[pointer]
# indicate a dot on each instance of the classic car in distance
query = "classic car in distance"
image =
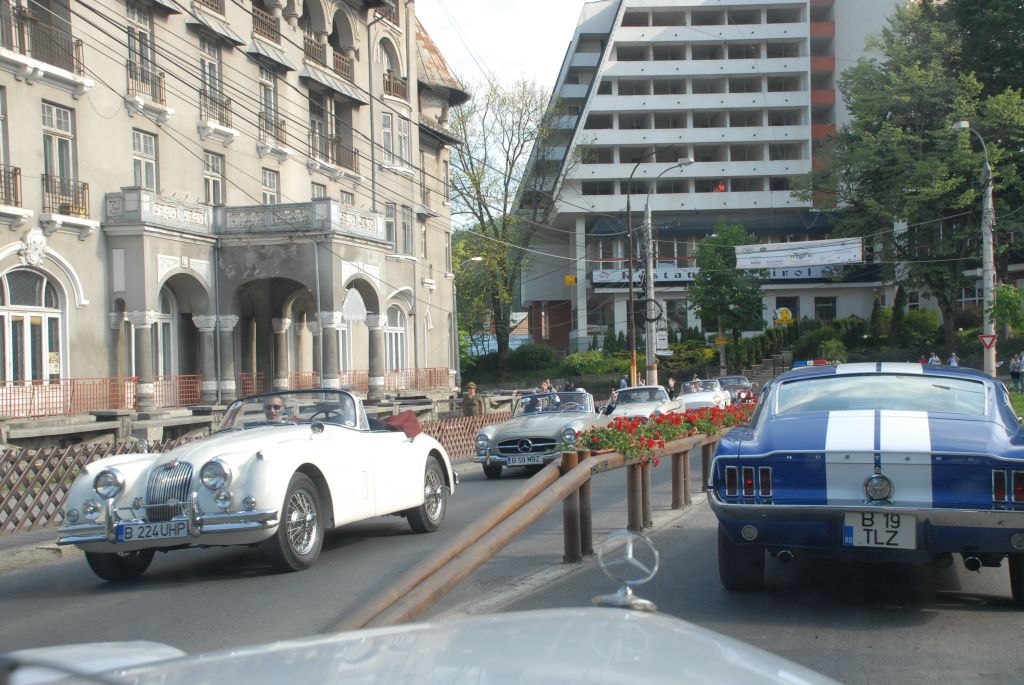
(280, 469)
(539, 423)
(740, 388)
(644, 401)
(698, 394)
(889, 462)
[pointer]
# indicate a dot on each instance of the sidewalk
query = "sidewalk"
(32, 549)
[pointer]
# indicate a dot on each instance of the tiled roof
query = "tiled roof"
(434, 70)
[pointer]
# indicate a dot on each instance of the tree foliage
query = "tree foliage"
(722, 295)
(501, 128)
(900, 160)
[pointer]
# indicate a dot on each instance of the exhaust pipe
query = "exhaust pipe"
(972, 563)
(785, 556)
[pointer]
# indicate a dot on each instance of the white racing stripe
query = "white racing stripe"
(857, 367)
(902, 367)
(849, 454)
(906, 455)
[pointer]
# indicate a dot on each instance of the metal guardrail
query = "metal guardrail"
(567, 479)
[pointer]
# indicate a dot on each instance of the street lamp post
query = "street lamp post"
(629, 231)
(455, 318)
(988, 223)
(650, 322)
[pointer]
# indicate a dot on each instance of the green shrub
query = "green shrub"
(921, 327)
(833, 350)
(584, 363)
(807, 346)
(532, 357)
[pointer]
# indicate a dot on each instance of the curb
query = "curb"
(35, 555)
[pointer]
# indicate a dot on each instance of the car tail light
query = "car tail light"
(764, 482)
(999, 486)
(1018, 486)
(731, 481)
(748, 481)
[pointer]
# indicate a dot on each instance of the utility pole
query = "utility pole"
(650, 324)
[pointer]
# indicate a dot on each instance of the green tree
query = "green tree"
(501, 127)
(899, 159)
(899, 310)
(722, 295)
(1007, 306)
(992, 35)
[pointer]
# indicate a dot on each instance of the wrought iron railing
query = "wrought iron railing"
(143, 80)
(251, 383)
(330, 149)
(177, 391)
(65, 196)
(345, 67)
(314, 49)
(10, 186)
(395, 86)
(23, 31)
(272, 128)
(389, 13)
(303, 380)
(214, 106)
(266, 25)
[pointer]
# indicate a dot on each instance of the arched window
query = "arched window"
(394, 339)
(165, 335)
(30, 309)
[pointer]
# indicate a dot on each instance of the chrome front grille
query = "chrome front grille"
(166, 485)
(537, 446)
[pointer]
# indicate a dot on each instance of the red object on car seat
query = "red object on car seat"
(406, 422)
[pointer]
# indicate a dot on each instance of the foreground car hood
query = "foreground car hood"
(588, 645)
(639, 408)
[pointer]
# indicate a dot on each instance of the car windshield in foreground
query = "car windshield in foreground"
(328, 406)
(882, 391)
(642, 395)
(546, 403)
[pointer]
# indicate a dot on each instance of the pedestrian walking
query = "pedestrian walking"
(472, 404)
(954, 360)
(1015, 369)
(623, 383)
(934, 359)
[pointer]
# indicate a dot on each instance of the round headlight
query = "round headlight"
(108, 483)
(878, 487)
(215, 475)
(482, 441)
(91, 509)
(569, 435)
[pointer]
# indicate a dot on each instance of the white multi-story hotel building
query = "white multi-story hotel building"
(212, 197)
(744, 88)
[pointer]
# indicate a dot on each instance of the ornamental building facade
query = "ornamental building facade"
(213, 198)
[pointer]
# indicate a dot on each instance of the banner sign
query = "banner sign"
(799, 254)
(689, 274)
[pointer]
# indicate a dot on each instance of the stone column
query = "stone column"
(375, 324)
(281, 327)
(330, 322)
(116, 320)
(314, 331)
(226, 327)
(207, 325)
(145, 392)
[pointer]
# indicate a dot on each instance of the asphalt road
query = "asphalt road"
(856, 623)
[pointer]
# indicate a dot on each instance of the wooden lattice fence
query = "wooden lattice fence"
(459, 435)
(34, 484)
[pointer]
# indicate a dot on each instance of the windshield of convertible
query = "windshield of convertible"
(326, 406)
(882, 391)
(630, 395)
(547, 403)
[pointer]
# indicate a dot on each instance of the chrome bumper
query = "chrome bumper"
(959, 518)
(198, 524)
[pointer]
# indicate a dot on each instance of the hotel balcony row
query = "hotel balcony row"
(729, 33)
(707, 67)
(133, 206)
(702, 200)
(683, 135)
(791, 163)
(675, 102)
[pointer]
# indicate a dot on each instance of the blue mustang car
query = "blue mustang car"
(876, 462)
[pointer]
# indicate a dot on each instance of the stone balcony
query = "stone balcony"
(317, 216)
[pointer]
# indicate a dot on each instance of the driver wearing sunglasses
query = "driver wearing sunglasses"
(272, 407)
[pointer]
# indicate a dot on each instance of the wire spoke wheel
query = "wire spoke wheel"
(301, 522)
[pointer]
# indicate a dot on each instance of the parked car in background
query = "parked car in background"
(890, 462)
(705, 393)
(740, 388)
(281, 468)
(539, 423)
(644, 401)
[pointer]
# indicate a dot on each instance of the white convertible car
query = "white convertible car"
(281, 469)
(644, 401)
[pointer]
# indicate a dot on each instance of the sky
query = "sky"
(510, 38)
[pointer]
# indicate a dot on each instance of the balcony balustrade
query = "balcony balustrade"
(314, 49)
(389, 13)
(272, 128)
(215, 5)
(23, 31)
(266, 25)
(143, 80)
(10, 186)
(345, 67)
(214, 106)
(395, 86)
(65, 196)
(331, 150)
